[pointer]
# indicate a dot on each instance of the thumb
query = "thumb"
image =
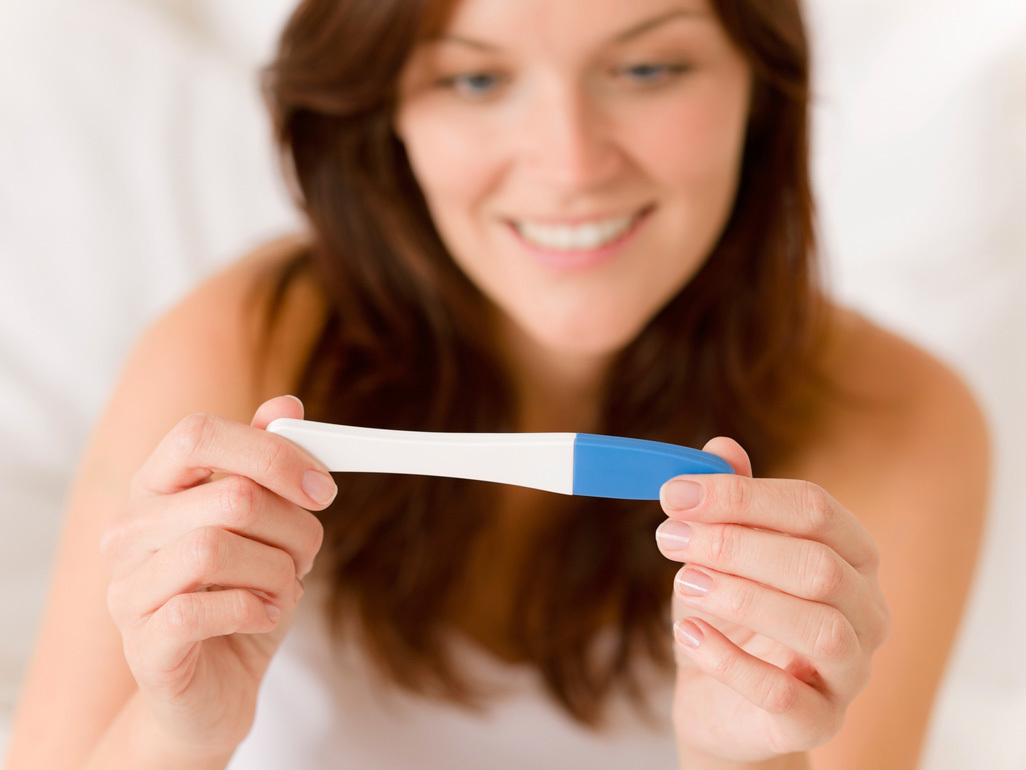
(732, 452)
(272, 409)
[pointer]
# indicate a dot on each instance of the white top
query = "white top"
(320, 708)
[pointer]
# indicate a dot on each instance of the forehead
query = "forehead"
(568, 23)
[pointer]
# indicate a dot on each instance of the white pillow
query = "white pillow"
(245, 30)
(134, 158)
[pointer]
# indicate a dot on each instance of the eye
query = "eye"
(651, 74)
(473, 85)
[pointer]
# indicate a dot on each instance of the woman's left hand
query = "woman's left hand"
(778, 611)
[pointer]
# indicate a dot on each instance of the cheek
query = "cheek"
(451, 166)
(696, 154)
(694, 145)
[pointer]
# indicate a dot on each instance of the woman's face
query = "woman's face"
(579, 158)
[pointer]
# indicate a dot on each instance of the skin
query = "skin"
(552, 121)
(794, 616)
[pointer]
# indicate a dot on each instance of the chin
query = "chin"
(577, 341)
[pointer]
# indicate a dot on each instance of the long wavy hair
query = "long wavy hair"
(402, 345)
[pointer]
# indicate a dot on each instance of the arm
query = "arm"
(904, 446)
(79, 686)
(923, 496)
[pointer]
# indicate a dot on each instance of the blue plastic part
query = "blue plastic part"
(634, 469)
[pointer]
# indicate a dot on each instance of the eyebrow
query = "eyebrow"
(622, 37)
(658, 21)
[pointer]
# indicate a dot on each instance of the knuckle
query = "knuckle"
(284, 573)
(193, 433)
(111, 542)
(316, 536)
(182, 617)
(834, 636)
(203, 552)
(136, 484)
(239, 502)
(310, 538)
(822, 573)
(725, 667)
(827, 723)
(742, 601)
(725, 544)
(880, 630)
(872, 558)
(271, 462)
(116, 602)
(241, 608)
(135, 650)
(313, 538)
(737, 493)
(778, 694)
(833, 721)
(817, 507)
(860, 676)
(886, 623)
(120, 542)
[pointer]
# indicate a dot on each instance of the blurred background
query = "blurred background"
(135, 158)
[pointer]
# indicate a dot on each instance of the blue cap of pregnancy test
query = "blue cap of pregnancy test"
(635, 469)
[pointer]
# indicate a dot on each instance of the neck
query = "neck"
(555, 390)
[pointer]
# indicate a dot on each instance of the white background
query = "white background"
(134, 159)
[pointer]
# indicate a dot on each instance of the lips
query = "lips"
(584, 236)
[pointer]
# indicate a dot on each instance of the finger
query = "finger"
(803, 568)
(816, 631)
(803, 714)
(203, 444)
(204, 558)
(272, 409)
(234, 503)
(732, 452)
(797, 508)
(172, 631)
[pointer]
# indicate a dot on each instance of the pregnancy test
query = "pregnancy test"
(568, 463)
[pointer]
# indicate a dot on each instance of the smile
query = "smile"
(586, 236)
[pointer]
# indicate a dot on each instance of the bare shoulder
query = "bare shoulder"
(896, 420)
(901, 443)
(216, 350)
(211, 353)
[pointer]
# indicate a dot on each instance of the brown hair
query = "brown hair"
(403, 346)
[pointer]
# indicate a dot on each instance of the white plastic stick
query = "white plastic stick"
(538, 460)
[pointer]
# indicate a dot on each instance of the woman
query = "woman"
(590, 215)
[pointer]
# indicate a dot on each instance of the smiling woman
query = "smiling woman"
(587, 177)
(584, 216)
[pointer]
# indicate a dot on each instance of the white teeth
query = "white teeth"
(584, 237)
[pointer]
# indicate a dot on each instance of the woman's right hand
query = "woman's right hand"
(206, 568)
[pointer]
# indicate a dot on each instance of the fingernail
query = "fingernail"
(673, 535)
(319, 487)
(687, 633)
(682, 495)
(273, 613)
(693, 583)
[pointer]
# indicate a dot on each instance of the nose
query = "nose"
(568, 142)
